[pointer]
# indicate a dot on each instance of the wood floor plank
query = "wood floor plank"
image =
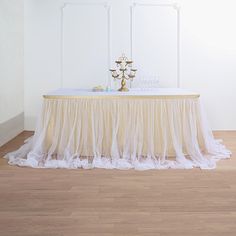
(59, 202)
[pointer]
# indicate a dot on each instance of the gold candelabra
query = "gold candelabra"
(122, 72)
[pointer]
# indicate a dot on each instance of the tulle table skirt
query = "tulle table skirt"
(122, 132)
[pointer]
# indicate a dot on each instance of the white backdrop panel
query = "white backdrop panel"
(85, 45)
(155, 44)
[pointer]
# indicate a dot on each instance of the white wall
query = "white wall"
(11, 69)
(11, 59)
(208, 57)
(207, 53)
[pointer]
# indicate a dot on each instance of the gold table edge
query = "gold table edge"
(121, 96)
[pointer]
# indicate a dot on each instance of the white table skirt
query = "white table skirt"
(154, 129)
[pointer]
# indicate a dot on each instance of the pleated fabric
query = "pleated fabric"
(139, 133)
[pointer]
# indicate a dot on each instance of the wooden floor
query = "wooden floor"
(43, 202)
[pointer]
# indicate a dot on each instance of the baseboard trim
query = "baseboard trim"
(11, 128)
(30, 123)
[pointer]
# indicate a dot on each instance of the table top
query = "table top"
(158, 92)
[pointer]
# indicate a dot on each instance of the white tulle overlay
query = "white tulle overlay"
(141, 132)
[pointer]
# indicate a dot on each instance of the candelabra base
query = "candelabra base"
(123, 89)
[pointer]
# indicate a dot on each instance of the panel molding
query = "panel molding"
(107, 7)
(176, 7)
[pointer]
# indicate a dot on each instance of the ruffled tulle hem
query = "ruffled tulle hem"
(74, 161)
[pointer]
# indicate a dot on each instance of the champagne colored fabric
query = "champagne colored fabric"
(150, 133)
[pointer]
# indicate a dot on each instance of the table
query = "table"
(141, 129)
